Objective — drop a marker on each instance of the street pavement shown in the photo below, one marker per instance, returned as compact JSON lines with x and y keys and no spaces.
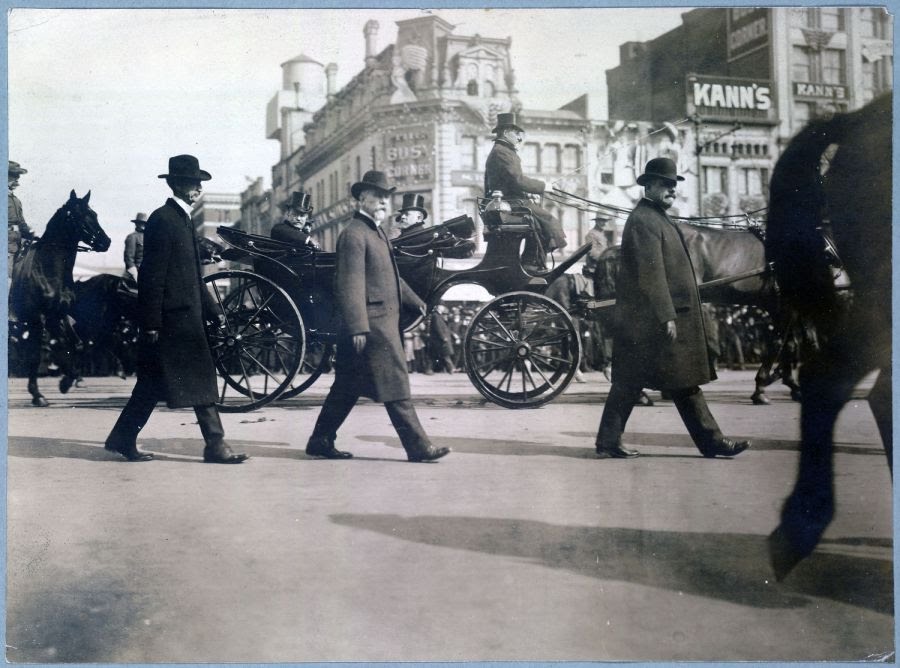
{"x":520,"y":545}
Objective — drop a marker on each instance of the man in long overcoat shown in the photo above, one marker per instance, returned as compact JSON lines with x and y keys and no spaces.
{"x":175,"y":363}
{"x":370,"y":361}
{"x":503,"y":172}
{"x":660,"y":339}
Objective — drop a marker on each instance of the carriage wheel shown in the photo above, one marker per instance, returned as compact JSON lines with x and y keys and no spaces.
{"x":261,"y":347}
{"x":521,"y":350}
{"x":319,"y":358}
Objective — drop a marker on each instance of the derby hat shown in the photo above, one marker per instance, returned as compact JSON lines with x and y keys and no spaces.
{"x":301,"y":201}
{"x":660,"y":168}
{"x":185,"y":167}
{"x":413,"y":202}
{"x":372,"y":180}
{"x":507,"y":120}
{"x":140,"y":218}
{"x":15,"y":168}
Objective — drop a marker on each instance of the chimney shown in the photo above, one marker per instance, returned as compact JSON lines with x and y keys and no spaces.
{"x":330,"y":74}
{"x":370,"y":31}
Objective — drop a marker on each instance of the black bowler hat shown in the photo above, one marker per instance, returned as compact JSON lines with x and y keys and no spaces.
{"x":300,"y":201}
{"x":374,"y":180}
{"x":661,"y":168}
{"x":413,"y":202}
{"x":507,"y":120}
{"x":185,"y":167}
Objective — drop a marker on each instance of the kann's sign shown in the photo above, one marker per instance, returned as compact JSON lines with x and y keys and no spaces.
{"x":728,"y":98}
{"x":820,"y":91}
{"x":747,"y":30}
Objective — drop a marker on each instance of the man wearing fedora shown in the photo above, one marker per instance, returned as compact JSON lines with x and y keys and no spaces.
{"x":293,"y":227}
{"x":134,"y":246}
{"x":17,"y":228}
{"x":175,"y":364}
{"x":503,"y":172}
{"x":411,"y":217}
{"x":370,"y":362}
{"x":600,"y":239}
{"x":659,"y":339}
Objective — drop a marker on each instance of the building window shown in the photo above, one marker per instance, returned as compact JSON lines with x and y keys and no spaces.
{"x":715,"y":180}
{"x":876,"y":78}
{"x":803,"y":111}
{"x":489,"y":89}
{"x":833,"y":70}
{"x":472,"y":88}
{"x":754,"y":181}
{"x":825,"y":18}
{"x":825,"y":66}
{"x":550,"y":159}
{"x":372,"y":160}
{"x":571,"y":158}
{"x":801,"y":64}
{"x":531,"y":157}
{"x":358,"y":169}
{"x":468,"y":149}
{"x":606,"y":178}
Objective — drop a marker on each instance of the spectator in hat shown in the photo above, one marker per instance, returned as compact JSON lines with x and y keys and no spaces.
{"x":134,"y":246}
{"x":659,"y":338}
{"x":411,"y":216}
{"x":296,"y":225}
{"x":503,"y":172}
{"x":17,"y":228}
{"x":599,"y":240}
{"x":175,"y":363}
{"x":370,"y":360}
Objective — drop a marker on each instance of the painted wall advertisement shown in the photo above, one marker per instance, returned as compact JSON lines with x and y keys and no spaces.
{"x":409,"y":155}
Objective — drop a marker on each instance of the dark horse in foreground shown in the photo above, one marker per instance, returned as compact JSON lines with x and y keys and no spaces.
{"x":854,"y":335}
{"x":42,"y":290}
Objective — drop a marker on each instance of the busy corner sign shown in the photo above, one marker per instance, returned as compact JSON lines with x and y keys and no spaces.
{"x":747,"y":30}
{"x":725,"y":98}
{"x":408,"y":154}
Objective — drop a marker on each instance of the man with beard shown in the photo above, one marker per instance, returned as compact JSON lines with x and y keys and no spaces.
{"x":370,"y":361}
{"x":659,"y":338}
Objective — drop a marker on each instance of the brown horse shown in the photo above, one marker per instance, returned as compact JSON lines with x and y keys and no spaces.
{"x":854,"y":335}
{"x":42,"y":290}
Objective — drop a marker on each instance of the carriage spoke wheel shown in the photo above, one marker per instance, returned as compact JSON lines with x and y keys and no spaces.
{"x":261,"y":347}
{"x":521,"y":350}
{"x":319,"y":358}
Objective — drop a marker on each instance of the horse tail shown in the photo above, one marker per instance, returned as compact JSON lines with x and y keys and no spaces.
{"x":794,"y":239}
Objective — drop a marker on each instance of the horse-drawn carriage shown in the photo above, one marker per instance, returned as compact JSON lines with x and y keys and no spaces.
{"x":521,"y":348}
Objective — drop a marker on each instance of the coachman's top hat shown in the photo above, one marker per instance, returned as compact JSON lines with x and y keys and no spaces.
{"x":374,"y":180}
{"x":413,"y":202}
{"x":15,"y":169}
{"x":140,"y":218}
{"x":185,"y":167}
{"x":660,"y":168}
{"x":301,"y":201}
{"x":507,"y":120}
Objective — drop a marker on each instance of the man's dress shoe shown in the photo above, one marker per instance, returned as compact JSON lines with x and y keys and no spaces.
{"x":326,"y":450}
{"x":616,"y":452}
{"x":429,"y":454}
{"x":725,"y":447}
{"x":129,"y":452}
{"x":222,"y":454}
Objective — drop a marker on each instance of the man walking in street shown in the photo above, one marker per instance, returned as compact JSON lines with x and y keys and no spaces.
{"x":659,"y":338}
{"x":134,"y":246}
{"x":175,"y":364}
{"x":370,"y":359}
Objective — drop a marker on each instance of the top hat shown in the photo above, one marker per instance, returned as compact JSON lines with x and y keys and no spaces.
{"x":140,"y":218}
{"x":413,"y":202}
{"x":185,"y":167}
{"x":301,"y":202}
{"x":15,"y":168}
{"x":374,"y":180}
{"x":661,"y":168}
{"x":507,"y":120}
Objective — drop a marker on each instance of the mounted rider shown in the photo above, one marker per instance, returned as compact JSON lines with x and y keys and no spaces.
{"x":17,"y":227}
{"x":503,"y":172}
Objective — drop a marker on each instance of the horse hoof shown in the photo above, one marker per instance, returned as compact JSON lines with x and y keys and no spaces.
{"x":65,"y":384}
{"x":759,"y":399}
{"x":40,"y":402}
{"x":782,"y":554}
{"x":795,"y":395}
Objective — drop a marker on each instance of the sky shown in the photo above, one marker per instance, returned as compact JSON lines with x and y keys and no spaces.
{"x":100,"y":98}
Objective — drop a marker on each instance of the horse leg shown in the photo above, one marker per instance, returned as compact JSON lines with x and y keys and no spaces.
{"x":809,"y":509}
{"x":68,"y":348}
{"x":32,"y":345}
{"x":880,"y":401}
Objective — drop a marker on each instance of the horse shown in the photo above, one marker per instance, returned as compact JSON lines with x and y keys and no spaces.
{"x":853,"y":335}
{"x":719,"y":256}
{"x":42,"y":289}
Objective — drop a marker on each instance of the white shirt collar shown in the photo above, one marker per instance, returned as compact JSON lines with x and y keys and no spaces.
{"x":184,"y":206}
{"x":363,"y":213}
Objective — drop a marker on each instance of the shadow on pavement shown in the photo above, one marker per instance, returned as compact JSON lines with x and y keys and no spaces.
{"x":725,"y":566}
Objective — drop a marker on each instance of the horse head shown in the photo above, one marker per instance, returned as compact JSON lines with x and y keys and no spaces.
{"x":76,"y":222}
